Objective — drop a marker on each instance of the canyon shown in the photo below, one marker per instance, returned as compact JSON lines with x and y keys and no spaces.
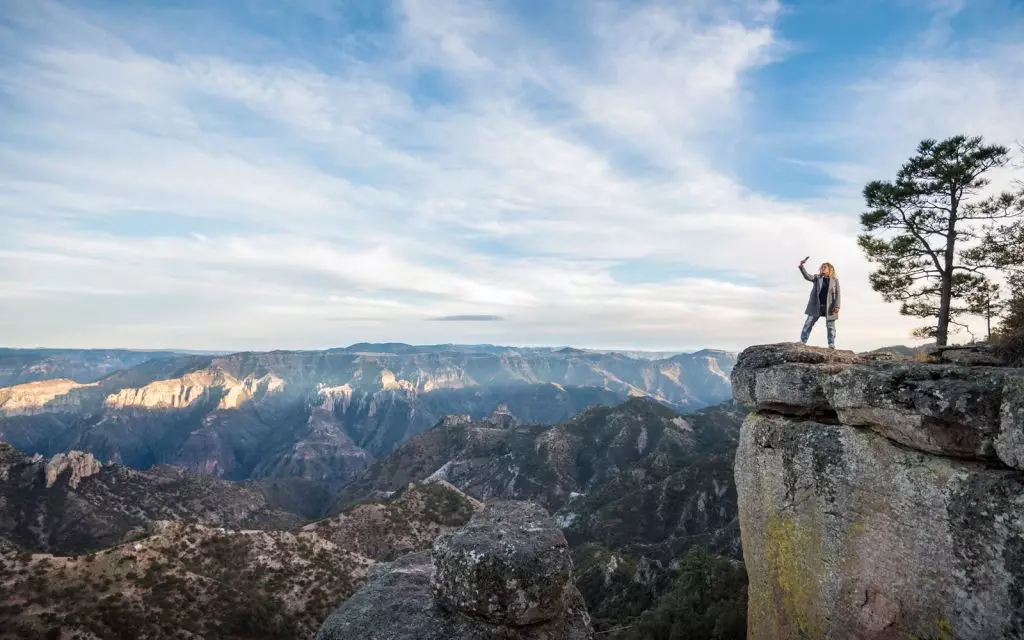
{"x":631,"y":489}
{"x":314,"y":417}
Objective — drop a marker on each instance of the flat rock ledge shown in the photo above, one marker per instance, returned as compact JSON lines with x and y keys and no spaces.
{"x":507,"y":574}
{"x":959,"y":410}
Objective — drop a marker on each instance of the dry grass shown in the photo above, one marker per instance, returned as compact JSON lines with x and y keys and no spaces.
{"x":188,"y":581}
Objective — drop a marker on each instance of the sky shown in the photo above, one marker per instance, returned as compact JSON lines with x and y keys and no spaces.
{"x":258,"y":174}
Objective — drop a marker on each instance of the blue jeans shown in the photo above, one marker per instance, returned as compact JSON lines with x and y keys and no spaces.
{"x":830,"y":326}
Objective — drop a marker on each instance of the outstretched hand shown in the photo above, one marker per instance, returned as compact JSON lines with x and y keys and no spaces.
{"x":804,"y":261}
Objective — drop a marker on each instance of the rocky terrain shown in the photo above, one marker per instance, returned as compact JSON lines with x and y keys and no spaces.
{"x":638,"y":489}
{"x":320,"y":416}
{"x":633,"y":487}
{"x":73,"y":504}
{"x":191,"y":580}
{"x":881,"y":499}
{"x":507,"y":574}
{"x":407,"y":521}
{"x":183,"y":581}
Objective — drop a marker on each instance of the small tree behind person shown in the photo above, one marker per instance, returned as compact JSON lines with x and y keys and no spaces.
{"x":824,"y":301}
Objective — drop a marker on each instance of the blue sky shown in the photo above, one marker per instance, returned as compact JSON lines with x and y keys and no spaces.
{"x":258,"y":174}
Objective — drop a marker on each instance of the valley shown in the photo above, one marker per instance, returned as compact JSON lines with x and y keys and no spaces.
{"x":333,"y":476}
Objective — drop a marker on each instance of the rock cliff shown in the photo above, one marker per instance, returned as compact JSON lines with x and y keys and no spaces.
{"x":880,"y":499}
{"x":507,"y":574}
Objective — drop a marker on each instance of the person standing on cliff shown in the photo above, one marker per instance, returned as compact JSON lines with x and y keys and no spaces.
{"x":824,"y":301}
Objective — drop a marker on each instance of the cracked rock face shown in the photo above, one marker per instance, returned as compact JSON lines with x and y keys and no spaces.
{"x":507,"y":574}
{"x":510,"y":565}
{"x":880,"y":499}
{"x":944,"y":409}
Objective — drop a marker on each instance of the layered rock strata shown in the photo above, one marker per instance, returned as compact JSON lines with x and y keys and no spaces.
{"x":507,"y":574}
{"x":880,"y":499}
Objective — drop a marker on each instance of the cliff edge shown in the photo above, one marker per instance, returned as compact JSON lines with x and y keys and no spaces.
{"x":880,"y":499}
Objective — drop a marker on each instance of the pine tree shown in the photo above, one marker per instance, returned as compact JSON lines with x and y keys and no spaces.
{"x":920,"y":225}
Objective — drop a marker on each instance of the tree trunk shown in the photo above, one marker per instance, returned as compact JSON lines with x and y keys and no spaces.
{"x":945,"y":298}
{"x":988,"y":316}
{"x":946,"y":287}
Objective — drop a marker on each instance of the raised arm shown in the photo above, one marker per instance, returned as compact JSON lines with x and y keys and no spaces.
{"x":806,"y":275}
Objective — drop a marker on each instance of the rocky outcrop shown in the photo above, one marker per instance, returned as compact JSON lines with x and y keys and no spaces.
{"x":507,"y":574}
{"x":75,"y":464}
{"x":46,"y":396}
{"x":73,"y":504}
{"x":502,"y":417}
{"x":880,"y":499}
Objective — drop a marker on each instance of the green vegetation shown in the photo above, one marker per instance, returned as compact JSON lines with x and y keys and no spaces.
{"x":708,"y":600}
{"x":943,"y":630}
{"x":1004,"y":248}
{"x":446,"y":507}
{"x":1009,"y":337}
{"x":610,"y":584}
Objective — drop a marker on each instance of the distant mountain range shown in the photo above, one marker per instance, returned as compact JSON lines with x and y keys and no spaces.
{"x":314,"y":416}
{"x":18,"y":366}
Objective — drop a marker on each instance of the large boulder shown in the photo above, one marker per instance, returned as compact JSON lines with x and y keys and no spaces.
{"x":506,"y":575}
{"x":510,"y":565}
{"x":787,"y":377}
{"x":77,"y":465}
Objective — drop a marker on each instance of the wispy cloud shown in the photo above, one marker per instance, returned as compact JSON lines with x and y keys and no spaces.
{"x":469,"y":318}
{"x":194,"y":178}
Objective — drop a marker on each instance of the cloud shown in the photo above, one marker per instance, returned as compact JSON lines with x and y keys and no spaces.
{"x":469,"y":318}
{"x":575,"y":177}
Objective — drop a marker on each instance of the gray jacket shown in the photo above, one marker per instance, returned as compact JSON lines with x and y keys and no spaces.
{"x":813,"y":305}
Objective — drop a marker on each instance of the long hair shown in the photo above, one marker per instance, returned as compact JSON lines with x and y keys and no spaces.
{"x":830,"y":271}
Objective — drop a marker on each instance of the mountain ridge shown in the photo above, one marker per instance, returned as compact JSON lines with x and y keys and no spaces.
{"x":325,"y":415}
{"x":72,"y":503}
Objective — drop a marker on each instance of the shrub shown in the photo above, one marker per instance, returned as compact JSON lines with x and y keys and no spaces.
{"x":1009,"y":338}
{"x":708,"y":600}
